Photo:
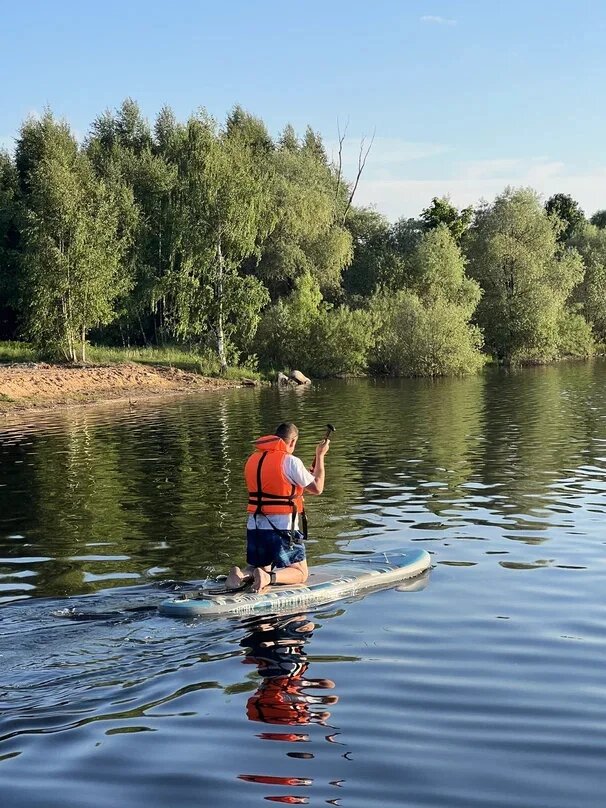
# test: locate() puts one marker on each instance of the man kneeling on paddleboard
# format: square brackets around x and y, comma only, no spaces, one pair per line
[276,480]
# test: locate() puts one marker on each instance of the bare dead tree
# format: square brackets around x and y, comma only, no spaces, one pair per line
[363,153]
[341,138]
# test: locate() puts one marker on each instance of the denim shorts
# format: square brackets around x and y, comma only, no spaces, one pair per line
[274,548]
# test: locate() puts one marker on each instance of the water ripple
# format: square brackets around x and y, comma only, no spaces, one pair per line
[481,685]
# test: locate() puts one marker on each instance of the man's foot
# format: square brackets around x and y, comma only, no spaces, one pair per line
[260,579]
[235,578]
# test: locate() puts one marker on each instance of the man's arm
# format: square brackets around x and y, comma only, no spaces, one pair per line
[317,486]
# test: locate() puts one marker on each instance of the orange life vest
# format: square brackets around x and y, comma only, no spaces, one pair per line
[269,490]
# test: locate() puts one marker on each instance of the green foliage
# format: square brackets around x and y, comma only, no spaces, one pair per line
[72,248]
[574,335]
[425,330]
[526,279]
[340,342]
[244,299]
[18,352]
[303,332]
[599,219]
[125,157]
[9,232]
[566,213]
[306,238]
[221,209]
[406,234]
[416,338]
[590,241]
[437,270]
[313,146]
[288,139]
[250,130]
[219,237]
[442,213]
[285,326]
[376,261]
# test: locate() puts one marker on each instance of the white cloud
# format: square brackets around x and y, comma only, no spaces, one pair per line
[483,179]
[437,20]
[537,169]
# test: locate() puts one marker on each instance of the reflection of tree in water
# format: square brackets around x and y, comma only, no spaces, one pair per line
[276,645]
[540,426]
[100,501]
[406,439]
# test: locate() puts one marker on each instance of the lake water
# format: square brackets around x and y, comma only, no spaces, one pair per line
[482,684]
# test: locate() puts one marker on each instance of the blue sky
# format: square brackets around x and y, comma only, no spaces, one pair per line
[463,97]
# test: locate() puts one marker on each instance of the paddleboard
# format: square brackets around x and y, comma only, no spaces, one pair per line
[327,582]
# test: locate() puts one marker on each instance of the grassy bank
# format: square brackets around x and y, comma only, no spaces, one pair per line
[174,357]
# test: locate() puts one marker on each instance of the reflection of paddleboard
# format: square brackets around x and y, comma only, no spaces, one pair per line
[328,582]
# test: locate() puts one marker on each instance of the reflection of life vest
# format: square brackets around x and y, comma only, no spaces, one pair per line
[279,701]
[269,490]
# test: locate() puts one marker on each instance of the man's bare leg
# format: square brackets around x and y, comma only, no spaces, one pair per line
[295,574]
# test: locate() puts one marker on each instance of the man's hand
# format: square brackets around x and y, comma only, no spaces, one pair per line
[317,468]
[322,448]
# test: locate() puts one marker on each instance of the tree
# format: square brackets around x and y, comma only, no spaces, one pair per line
[250,130]
[442,212]
[565,210]
[406,234]
[288,139]
[376,261]
[282,336]
[306,237]
[525,276]
[116,136]
[72,248]
[590,241]
[344,191]
[437,270]
[425,330]
[222,213]
[130,162]
[9,243]
[303,331]
[131,129]
[599,219]
[417,338]
[313,145]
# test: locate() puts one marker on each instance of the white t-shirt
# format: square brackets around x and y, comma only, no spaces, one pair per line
[297,474]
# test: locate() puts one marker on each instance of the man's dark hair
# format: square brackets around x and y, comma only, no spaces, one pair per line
[287,431]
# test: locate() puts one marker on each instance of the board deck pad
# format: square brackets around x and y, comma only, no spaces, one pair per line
[327,582]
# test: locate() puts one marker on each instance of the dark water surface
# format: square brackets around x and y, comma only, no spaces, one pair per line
[482,685]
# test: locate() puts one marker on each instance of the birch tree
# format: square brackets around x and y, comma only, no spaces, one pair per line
[72,249]
[223,212]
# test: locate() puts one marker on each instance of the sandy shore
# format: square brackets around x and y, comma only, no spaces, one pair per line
[34,386]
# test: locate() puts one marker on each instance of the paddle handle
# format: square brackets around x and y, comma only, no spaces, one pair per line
[329,430]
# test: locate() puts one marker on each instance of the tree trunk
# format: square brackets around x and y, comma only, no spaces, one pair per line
[83,344]
[68,321]
[220,334]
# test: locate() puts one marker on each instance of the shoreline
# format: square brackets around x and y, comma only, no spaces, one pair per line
[31,387]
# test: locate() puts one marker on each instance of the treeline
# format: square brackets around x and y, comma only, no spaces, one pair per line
[251,250]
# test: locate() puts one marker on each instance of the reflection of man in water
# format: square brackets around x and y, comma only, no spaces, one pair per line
[277,647]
